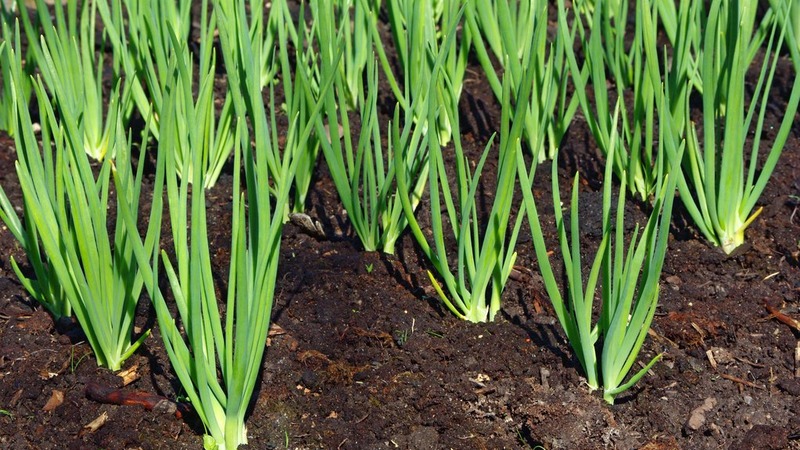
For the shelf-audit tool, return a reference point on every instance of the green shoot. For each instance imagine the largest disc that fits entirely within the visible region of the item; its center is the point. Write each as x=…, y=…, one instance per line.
x=72, y=71
x=356, y=39
x=364, y=178
x=636, y=71
x=10, y=38
x=45, y=287
x=420, y=28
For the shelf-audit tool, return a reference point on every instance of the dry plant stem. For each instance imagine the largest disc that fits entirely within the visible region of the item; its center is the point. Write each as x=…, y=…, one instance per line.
x=146, y=400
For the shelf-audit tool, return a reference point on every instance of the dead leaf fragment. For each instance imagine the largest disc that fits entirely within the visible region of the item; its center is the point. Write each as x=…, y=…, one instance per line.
x=56, y=399
x=94, y=425
x=307, y=225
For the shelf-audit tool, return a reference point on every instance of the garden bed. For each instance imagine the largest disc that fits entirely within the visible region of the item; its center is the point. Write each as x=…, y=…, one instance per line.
x=362, y=355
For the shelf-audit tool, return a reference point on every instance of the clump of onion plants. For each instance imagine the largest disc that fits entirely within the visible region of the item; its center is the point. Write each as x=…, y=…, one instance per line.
x=516, y=35
x=216, y=358
x=419, y=28
x=80, y=267
x=366, y=178
x=721, y=183
x=473, y=286
x=633, y=70
x=72, y=70
x=607, y=347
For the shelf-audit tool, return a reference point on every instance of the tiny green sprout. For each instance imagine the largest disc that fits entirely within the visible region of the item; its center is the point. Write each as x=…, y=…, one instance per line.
x=6, y=413
x=369, y=267
x=401, y=336
x=73, y=363
x=435, y=334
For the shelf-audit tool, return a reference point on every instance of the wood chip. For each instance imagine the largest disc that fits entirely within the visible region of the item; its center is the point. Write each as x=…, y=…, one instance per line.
x=15, y=398
x=797, y=360
x=129, y=375
x=711, y=360
x=56, y=399
x=698, y=416
x=94, y=425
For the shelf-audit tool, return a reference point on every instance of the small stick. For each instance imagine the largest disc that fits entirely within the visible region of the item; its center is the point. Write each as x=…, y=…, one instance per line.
x=146, y=400
x=776, y=313
x=711, y=360
x=741, y=381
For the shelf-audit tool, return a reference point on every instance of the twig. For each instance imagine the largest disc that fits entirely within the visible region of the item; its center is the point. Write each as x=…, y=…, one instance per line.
x=777, y=314
x=741, y=381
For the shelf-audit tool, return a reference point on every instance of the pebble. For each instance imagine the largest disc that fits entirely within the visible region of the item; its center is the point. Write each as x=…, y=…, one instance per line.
x=698, y=416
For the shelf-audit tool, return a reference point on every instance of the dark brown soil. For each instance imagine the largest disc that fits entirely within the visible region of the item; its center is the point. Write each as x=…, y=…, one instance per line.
x=361, y=357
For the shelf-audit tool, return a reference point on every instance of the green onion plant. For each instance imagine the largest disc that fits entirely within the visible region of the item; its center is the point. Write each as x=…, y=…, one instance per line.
x=420, y=29
x=364, y=177
x=633, y=71
x=687, y=25
x=243, y=60
x=67, y=207
x=512, y=32
x=721, y=184
x=608, y=346
x=217, y=132
x=10, y=38
x=44, y=286
x=353, y=19
x=216, y=358
x=301, y=95
x=279, y=29
x=72, y=70
x=485, y=251
x=140, y=33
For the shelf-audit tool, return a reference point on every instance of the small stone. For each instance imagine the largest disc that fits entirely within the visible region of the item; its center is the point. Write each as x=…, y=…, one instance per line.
x=722, y=356
x=790, y=386
x=698, y=416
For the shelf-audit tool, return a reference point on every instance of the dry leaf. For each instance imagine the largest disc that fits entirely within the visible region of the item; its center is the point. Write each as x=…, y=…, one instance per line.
x=95, y=425
x=46, y=375
x=56, y=399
